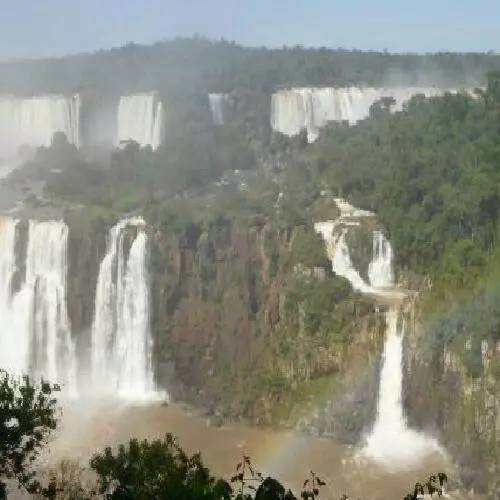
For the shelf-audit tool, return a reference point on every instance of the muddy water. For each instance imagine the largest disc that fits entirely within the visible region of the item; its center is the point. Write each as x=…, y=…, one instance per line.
x=288, y=456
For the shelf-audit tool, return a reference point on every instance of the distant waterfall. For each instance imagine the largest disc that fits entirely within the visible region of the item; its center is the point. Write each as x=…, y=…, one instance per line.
x=217, y=103
x=338, y=252
x=380, y=269
x=32, y=121
x=334, y=235
x=140, y=118
x=36, y=335
x=121, y=343
x=311, y=108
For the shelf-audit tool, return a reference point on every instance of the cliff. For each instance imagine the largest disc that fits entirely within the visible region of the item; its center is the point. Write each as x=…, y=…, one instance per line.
x=245, y=330
x=453, y=390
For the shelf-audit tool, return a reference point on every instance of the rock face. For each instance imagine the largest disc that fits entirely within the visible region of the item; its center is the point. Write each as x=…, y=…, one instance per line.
x=238, y=330
x=246, y=337
x=453, y=389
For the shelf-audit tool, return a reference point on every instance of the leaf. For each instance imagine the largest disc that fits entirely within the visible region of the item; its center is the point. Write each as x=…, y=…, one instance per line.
x=443, y=478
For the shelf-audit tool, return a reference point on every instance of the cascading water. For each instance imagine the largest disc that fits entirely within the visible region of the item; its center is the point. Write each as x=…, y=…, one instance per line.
x=53, y=352
x=312, y=108
x=380, y=269
x=140, y=118
x=121, y=345
x=13, y=349
x=32, y=121
x=338, y=251
x=391, y=442
x=217, y=102
x=334, y=234
x=36, y=333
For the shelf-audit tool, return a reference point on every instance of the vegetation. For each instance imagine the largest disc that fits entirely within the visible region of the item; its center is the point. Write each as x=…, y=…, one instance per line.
x=187, y=66
x=27, y=416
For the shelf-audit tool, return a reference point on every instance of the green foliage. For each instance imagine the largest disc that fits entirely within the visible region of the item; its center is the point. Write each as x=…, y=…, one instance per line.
x=308, y=249
x=160, y=469
x=329, y=306
x=27, y=415
x=433, y=486
x=221, y=66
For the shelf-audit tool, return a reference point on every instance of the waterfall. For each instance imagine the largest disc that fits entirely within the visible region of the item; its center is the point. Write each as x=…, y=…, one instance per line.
x=32, y=121
x=391, y=442
x=140, y=118
x=121, y=346
x=338, y=252
x=217, y=102
x=13, y=345
x=380, y=269
x=334, y=235
x=312, y=108
x=36, y=333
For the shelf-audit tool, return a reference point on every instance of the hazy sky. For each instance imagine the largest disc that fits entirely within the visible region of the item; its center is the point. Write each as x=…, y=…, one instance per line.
x=34, y=28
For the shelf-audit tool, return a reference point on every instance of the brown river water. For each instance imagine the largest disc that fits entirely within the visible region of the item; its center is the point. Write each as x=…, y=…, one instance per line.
x=286, y=455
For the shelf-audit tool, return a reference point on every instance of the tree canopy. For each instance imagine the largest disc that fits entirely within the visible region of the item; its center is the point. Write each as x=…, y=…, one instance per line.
x=27, y=416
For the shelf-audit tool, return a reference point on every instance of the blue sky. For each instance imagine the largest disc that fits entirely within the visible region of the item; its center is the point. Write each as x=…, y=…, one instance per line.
x=35, y=28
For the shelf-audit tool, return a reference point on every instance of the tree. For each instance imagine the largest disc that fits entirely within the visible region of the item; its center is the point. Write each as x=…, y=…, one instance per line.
x=160, y=469
x=27, y=415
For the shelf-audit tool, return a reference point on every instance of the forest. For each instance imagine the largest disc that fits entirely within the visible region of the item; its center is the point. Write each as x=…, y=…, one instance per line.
x=185, y=66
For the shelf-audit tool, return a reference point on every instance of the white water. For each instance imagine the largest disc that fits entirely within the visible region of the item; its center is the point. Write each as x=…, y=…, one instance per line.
x=380, y=269
x=32, y=121
x=140, y=118
x=36, y=333
x=338, y=252
x=217, y=102
x=334, y=234
x=391, y=442
x=12, y=349
x=121, y=347
x=312, y=108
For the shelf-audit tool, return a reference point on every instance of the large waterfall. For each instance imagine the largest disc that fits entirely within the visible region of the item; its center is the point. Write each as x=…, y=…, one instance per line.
x=32, y=121
x=312, y=108
x=36, y=336
x=391, y=442
x=140, y=118
x=121, y=344
x=36, y=333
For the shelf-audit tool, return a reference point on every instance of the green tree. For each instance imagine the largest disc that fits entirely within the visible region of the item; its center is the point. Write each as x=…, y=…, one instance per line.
x=28, y=413
x=160, y=469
